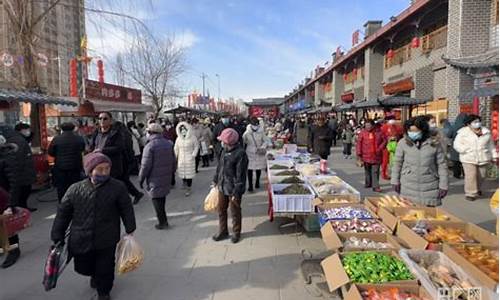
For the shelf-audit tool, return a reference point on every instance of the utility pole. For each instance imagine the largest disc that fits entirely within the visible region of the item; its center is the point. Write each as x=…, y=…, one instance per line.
x=218, y=87
x=203, y=76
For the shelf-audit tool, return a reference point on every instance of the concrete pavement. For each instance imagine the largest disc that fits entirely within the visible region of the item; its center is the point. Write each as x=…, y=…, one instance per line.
x=184, y=263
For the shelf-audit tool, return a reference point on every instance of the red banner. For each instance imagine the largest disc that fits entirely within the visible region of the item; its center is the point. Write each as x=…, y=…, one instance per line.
x=111, y=92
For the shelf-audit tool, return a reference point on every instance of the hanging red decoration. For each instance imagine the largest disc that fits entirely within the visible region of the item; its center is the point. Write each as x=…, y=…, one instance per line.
x=100, y=71
x=73, y=92
x=390, y=54
x=355, y=72
x=345, y=77
x=415, y=42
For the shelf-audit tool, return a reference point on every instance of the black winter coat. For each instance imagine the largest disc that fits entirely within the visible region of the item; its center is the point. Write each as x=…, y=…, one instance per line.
x=7, y=166
x=231, y=172
x=94, y=213
x=114, y=149
x=67, y=149
x=24, y=168
x=320, y=140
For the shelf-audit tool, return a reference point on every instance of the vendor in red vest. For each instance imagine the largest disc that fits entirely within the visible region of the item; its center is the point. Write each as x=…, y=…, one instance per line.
x=370, y=146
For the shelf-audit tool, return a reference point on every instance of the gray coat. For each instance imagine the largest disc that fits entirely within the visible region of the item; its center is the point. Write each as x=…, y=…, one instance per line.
x=420, y=171
x=157, y=166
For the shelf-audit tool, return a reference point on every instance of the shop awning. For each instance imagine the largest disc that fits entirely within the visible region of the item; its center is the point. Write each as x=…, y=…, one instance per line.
x=111, y=106
x=367, y=104
x=324, y=109
x=394, y=101
x=183, y=109
x=32, y=97
x=344, y=107
x=484, y=60
x=480, y=92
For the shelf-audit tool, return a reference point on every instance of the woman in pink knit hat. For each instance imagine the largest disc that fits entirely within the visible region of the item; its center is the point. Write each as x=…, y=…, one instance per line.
x=230, y=178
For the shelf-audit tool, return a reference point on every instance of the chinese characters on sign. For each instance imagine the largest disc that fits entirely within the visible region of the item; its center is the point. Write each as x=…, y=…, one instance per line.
x=111, y=92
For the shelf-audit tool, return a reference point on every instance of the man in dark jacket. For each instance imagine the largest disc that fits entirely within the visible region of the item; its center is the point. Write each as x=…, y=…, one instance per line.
x=94, y=207
x=320, y=139
x=7, y=177
x=109, y=140
x=67, y=149
x=24, y=168
x=230, y=178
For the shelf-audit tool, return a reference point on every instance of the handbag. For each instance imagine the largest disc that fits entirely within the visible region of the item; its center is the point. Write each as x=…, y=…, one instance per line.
x=17, y=221
x=259, y=151
x=57, y=260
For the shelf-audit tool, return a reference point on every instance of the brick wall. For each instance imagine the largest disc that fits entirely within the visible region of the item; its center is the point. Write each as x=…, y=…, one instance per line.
x=439, y=85
x=337, y=87
x=374, y=65
x=493, y=24
x=359, y=93
x=424, y=83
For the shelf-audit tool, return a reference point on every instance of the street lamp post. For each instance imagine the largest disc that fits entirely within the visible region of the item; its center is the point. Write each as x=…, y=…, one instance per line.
x=218, y=87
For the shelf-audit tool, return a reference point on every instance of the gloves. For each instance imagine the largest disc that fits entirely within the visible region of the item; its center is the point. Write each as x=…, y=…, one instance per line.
x=397, y=188
x=442, y=193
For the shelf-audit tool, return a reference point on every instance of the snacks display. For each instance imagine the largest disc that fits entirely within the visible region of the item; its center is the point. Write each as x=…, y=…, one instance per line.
x=416, y=214
x=365, y=243
x=336, y=201
x=394, y=201
x=440, y=234
x=308, y=169
x=294, y=189
x=288, y=173
x=484, y=259
x=346, y=213
x=374, y=267
x=292, y=179
x=390, y=294
x=358, y=226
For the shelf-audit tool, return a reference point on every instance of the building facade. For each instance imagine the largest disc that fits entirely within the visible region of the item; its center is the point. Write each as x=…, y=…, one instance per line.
x=442, y=51
x=58, y=39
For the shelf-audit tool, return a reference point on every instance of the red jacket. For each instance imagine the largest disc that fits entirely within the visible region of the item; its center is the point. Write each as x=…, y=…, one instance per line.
x=370, y=146
x=393, y=130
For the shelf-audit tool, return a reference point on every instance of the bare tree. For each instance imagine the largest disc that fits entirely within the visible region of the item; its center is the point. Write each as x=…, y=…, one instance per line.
x=154, y=65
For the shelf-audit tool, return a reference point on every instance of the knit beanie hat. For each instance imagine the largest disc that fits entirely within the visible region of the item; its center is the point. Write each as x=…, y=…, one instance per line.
x=229, y=136
x=92, y=160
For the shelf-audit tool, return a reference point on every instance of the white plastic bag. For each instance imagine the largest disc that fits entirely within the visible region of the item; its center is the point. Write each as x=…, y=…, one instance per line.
x=212, y=200
x=129, y=255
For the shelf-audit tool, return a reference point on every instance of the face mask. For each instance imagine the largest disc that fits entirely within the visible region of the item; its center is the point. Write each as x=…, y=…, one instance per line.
x=432, y=125
x=391, y=122
x=98, y=179
x=26, y=132
x=476, y=125
x=168, y=127
x=183, y=132
x=225, y=121
x=415, y=136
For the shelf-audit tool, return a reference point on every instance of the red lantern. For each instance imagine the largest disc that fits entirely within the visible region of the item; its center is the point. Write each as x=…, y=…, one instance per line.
x=415, y=42
x=100, y=71
x=355, y=72
x=494, y=125
x=345, y=77
x=73, y=78
x=390, y=54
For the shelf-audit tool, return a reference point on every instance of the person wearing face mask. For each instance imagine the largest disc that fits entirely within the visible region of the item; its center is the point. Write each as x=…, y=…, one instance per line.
x=477, y=150
x=419, y=170
x=369, y=148
x=157, y=169
x=205, y=143
x=186, y=148
x=224, y=123
x=320, y=138
x=230, y=178
x=94, y=207
x=255, y=142
x=25, y=130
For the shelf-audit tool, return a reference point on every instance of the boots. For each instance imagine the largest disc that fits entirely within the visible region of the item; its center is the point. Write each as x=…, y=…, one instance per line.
x=220, y=236
x=12, y=257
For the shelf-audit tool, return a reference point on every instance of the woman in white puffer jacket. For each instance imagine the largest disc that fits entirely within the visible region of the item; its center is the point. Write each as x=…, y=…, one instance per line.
x=476, y=148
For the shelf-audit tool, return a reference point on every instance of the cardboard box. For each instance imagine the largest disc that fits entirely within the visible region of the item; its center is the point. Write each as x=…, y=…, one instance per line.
x=335, y=241
x=336, y=277
x=373, y=203
x=415, y=241
x=321, y=205
x=356, y=290
x=392, y=215
x=470, y=268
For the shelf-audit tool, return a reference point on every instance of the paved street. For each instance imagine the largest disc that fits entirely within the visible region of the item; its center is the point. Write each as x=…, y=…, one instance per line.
x=184, y=263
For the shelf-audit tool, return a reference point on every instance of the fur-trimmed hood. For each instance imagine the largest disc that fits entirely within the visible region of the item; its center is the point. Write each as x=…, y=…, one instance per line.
x=188, y=127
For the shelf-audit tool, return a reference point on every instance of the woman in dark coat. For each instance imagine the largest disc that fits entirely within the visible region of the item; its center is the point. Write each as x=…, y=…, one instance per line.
x=94, y=207
x=320, y=139
x=157, y=169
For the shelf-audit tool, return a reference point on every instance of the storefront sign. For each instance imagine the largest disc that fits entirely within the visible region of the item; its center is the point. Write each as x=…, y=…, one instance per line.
x=467, y=108
x=347, y=98
x=263, y=111
x=403, y=85
x=44, y=141
x=111, y=92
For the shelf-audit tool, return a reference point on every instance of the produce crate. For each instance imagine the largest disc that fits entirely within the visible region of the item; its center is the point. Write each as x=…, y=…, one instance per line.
x=356, y=291
x=391, y=216
x=420, y=260
x=291, y=203
x=278, y=179
x=353, y=196
x=374, y=202
x=273, y=173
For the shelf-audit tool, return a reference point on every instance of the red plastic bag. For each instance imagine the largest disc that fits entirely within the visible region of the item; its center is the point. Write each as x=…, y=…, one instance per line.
x=18, y=221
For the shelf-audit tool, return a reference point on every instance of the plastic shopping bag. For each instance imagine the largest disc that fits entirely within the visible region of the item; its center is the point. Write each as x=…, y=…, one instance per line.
x=18, y=221
x=129, y=255
x=212, y=200
x=56, y=262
